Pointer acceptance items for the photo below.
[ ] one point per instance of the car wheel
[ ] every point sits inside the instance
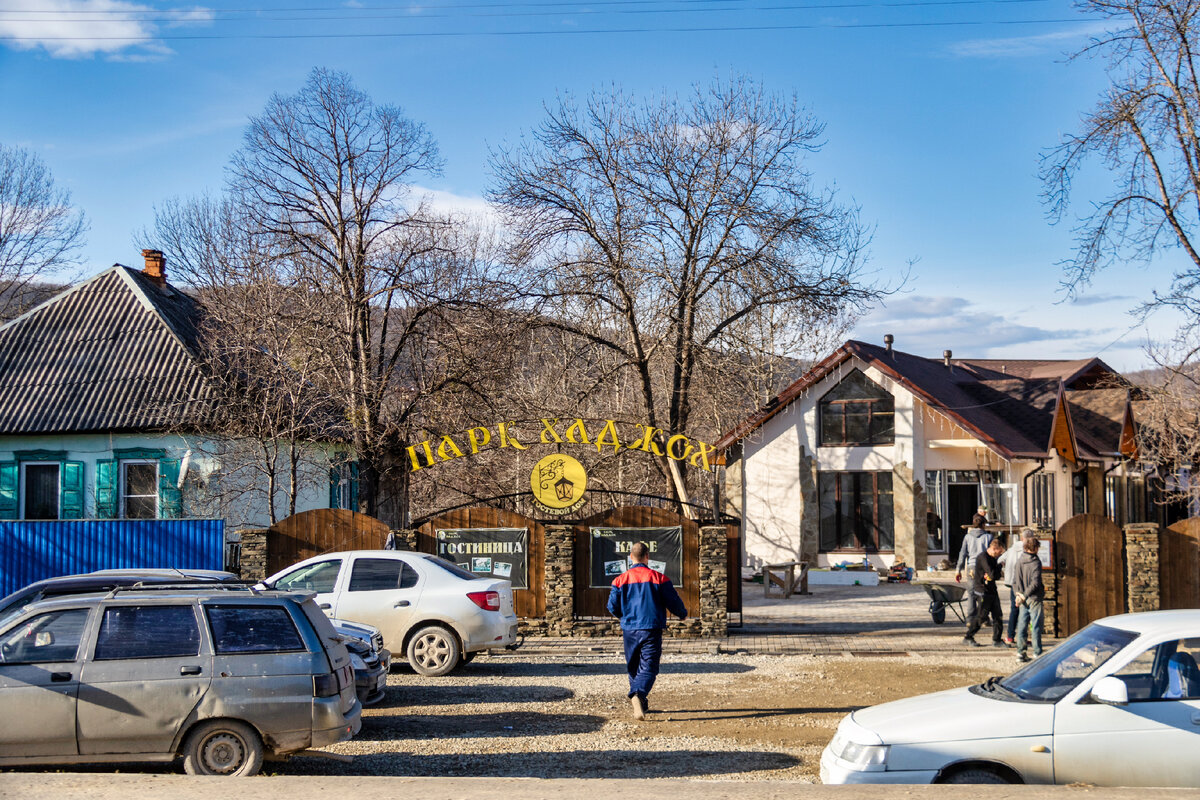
(223, 747)
(975, 775)
(433, 651)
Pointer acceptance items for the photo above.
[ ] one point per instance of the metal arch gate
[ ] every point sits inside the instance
(1090, 568)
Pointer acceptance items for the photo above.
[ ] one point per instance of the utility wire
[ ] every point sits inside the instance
(448, 6)
(133, 38)
(199, 17)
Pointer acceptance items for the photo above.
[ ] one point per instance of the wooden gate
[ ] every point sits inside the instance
(324, 530)
(529, 602)
(593, 601)
(1179, 565)
(1090, 564)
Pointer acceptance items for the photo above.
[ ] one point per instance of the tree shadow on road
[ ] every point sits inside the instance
(566, 764)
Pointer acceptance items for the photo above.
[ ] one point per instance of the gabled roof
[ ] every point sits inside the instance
(114, 353)
(1017, 408)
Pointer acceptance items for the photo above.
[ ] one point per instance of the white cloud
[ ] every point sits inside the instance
(116, 29)
(926, 326)
(448, 202)
(1017, 46)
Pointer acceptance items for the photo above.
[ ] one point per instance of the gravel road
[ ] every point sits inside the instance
(713, 716)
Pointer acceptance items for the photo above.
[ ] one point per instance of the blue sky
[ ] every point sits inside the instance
(937, 112)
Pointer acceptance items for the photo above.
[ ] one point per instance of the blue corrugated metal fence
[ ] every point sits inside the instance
(31, 551)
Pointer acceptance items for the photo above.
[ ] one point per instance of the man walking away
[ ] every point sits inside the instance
(1029, 590)
(640, 598)
(987, 598)
(974, 542)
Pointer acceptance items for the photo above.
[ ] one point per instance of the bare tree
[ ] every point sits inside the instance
(272, 428)
(324, 176)
(659, 231)
(40, 233)
(1146, 131)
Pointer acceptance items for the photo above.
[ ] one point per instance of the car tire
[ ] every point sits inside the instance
(223, 747)
(433, 651)
(975, 775)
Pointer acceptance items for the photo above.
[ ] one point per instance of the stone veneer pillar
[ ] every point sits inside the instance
(810, 510)
(406, 539)
(253, 563)
(1141, 566)
(909, 534)
(714, 581)
(560, 580)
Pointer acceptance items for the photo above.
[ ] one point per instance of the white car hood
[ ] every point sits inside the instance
(952, 715)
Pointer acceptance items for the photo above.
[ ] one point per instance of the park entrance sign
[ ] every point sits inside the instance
(604, 435)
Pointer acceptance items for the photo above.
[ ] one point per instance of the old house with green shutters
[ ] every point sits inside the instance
(104, 409)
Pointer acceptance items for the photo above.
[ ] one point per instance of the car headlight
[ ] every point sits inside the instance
(864, 755)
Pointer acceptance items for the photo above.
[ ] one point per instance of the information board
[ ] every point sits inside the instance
(610, 552)
(488, 552)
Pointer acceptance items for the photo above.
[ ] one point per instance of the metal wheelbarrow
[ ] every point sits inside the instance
(943, 596)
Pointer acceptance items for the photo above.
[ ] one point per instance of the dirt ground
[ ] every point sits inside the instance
(719, 716)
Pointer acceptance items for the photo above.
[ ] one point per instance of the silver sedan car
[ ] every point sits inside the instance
(436, 613)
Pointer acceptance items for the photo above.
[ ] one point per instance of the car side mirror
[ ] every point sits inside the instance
(1111, 691)
(43, 639)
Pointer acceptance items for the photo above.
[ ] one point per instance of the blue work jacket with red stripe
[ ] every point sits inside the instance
(642, 597)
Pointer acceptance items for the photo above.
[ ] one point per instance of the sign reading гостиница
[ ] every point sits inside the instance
(488, 552)
(505, 435)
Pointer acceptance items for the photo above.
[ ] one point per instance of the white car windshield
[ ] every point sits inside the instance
(1059, 671)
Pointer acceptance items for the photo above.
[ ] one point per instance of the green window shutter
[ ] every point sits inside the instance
(354, 486)
(106, 489)
(170, 498)
(10, 505)
(334, 481)
(71, 506)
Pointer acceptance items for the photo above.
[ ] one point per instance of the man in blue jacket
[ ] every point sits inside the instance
(641, 598)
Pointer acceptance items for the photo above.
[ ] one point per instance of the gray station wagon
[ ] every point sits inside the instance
(220, 678)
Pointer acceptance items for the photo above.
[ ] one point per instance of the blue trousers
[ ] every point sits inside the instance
(1031, 622)
(643, 652)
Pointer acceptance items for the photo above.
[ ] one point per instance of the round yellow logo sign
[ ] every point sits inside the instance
(558, 481)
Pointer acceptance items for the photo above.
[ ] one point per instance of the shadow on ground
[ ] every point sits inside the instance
(568, 764)
(614, 665)
(386, 727)
(458, 694)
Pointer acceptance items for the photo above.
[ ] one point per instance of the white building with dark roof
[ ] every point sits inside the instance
(884, 455)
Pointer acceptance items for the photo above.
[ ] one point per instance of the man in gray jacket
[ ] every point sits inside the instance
(974, 542)
(1028, 591)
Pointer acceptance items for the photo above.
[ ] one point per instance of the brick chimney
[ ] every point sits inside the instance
(156, 267)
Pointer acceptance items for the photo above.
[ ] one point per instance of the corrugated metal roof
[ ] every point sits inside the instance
(114, 353)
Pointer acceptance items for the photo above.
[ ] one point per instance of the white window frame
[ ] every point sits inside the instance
(121, 465)
(23, 484)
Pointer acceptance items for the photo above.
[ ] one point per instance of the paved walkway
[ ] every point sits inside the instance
(860, 620)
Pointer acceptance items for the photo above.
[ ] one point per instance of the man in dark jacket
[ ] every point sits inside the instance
(1028, 592)
(641, 598)
(975, 541)
(987, 597)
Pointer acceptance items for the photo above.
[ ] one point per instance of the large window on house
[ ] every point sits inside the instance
(856, 511)
(857, 412)
(139, 489)
(1041, 500)
(1079, 492)
(1126, 499)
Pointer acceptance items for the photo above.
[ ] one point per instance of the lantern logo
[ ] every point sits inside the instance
(558, 482)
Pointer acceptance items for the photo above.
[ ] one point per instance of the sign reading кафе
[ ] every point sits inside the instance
(488, 552)
(610, 552)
